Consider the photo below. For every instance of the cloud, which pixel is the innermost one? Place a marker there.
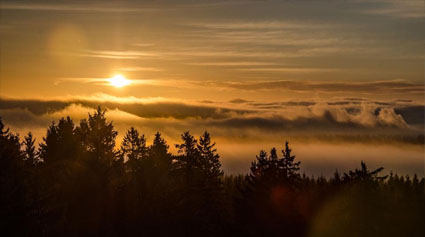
(338, 114)
(106, 81)
(243, 125)
(288, 69)
(79, 6)
(394, 86)
(128, 6)
(116, 54)
(246, 133)
(132, 69)
(239, 101)
(397, 8)
(158, 109)
(232, 64)
(254, 25)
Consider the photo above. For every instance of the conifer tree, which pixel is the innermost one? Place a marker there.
(364, 174)
(98, 137)
(189, 160)
(60, 142)
(290, 168)
(133, 148)
(209, 156)
(158, 152)
(13, 185)
(260, 165)
(29, 149)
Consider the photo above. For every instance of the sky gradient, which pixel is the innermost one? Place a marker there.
(332, 77)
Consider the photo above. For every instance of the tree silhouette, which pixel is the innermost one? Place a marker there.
(13, 199)
(29, 149)
(188, 149)
(158, 153)
(209, 156)
(61, 143)
(133, 149)
(79, 183)
(272, 168)
(290, 168)
(98, 137)
(363, 174)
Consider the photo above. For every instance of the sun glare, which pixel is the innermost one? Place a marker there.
(119, 81)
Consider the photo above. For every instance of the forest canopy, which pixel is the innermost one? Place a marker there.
(78, 181)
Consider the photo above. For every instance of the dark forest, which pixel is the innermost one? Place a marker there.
(79, 182)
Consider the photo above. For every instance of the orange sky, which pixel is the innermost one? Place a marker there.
(244, 69)
(56, 48)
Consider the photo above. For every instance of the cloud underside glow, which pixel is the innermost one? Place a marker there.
(315, 128)
(350, 116)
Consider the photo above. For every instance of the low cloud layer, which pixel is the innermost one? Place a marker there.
(394, 86)
(344, 116)
(242, 127)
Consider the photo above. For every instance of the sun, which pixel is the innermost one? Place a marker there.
(119, 81)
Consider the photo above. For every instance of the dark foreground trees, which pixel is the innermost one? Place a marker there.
(78, 183)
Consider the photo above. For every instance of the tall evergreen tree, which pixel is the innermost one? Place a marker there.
(290, 168)
(271, 167)
(209, 156)
(98, 137)
(133, 148)
(29, 149)
(189, 161)
(364, 174)
(60, 142)
(13, 189)
(159, 154)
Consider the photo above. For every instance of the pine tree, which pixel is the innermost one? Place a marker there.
(274, 168)
(60, 142)
(133, 148)
(158, 151)
(260, 165)
(189, 161)
(364, 174)
(98, 137)
(13, 185)
(290, 167)
(209, 156)
(188, 147)
(29, 149)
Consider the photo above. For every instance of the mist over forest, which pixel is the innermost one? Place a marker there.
(80, 182)
(390, 134)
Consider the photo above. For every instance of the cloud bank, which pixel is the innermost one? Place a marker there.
(341, 117)
(332, 131)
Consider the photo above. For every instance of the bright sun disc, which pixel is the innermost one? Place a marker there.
(119, 81)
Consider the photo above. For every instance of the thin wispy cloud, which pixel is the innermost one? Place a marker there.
(134, 69)
(231, 64)
(33, 6)
(268, 37)
(288, 69)
(115, 7)
(188, 52)
(371, 87)
(259, 25)
(105, 81)
(116, 54)
(397, 8)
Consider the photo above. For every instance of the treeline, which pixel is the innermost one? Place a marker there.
(76, 183)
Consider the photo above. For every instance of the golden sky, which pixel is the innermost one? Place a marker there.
(241, 68)
(61, 47)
